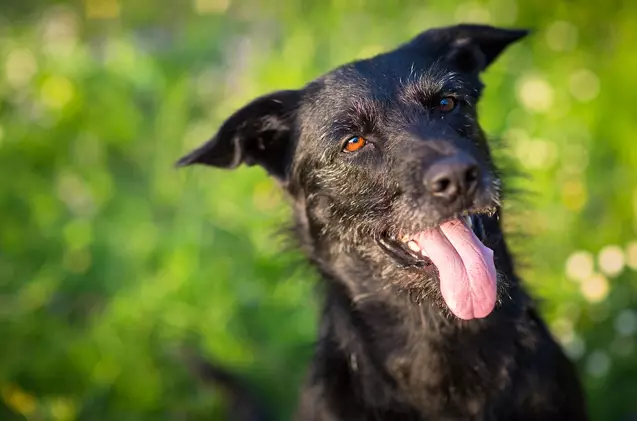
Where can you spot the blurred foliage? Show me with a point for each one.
(110, 259)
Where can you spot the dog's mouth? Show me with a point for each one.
(465, 266)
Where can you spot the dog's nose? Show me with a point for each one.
(453, 177)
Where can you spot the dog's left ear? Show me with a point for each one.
(470, 48)
(259, 133)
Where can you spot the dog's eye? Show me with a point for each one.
(354, 143)
(447, 104)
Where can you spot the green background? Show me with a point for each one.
(110, 259)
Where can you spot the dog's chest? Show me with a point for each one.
(450, 378)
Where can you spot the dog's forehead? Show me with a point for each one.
(382, 76)
(388, 81)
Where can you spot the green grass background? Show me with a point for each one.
(110, 259)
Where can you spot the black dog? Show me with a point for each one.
(397, 204)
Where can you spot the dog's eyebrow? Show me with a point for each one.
(436, 80)
(357, 118)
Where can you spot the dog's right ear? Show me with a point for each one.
(259, 133)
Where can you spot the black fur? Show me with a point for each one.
(389, 349)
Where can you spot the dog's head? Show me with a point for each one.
(387, 164)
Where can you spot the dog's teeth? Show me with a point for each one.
(404, 238)
(414, 246)
(469, 222)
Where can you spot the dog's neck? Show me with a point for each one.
(387, 340)
(398, 356)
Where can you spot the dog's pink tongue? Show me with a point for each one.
(465, 267)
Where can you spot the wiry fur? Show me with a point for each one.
(389, 349)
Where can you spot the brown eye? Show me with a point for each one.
(447, 104)
(354, 144)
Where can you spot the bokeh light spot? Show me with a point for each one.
(575, 348)
(563, 329)
(584, 85)
(536, 153)
(595, 288)
(102, 9)
(574, 159)
(580, 266)
(574, 195)
(75, 194)
(204, 7)
(598, 363)
(57, 92)
(562, 36)
(473, 13)
(20, 67)
(611, 260)
(626, 323)
(59, 32)
(63, 409)
(535, 93)
(18, 400)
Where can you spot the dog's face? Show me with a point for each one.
(388, 166)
